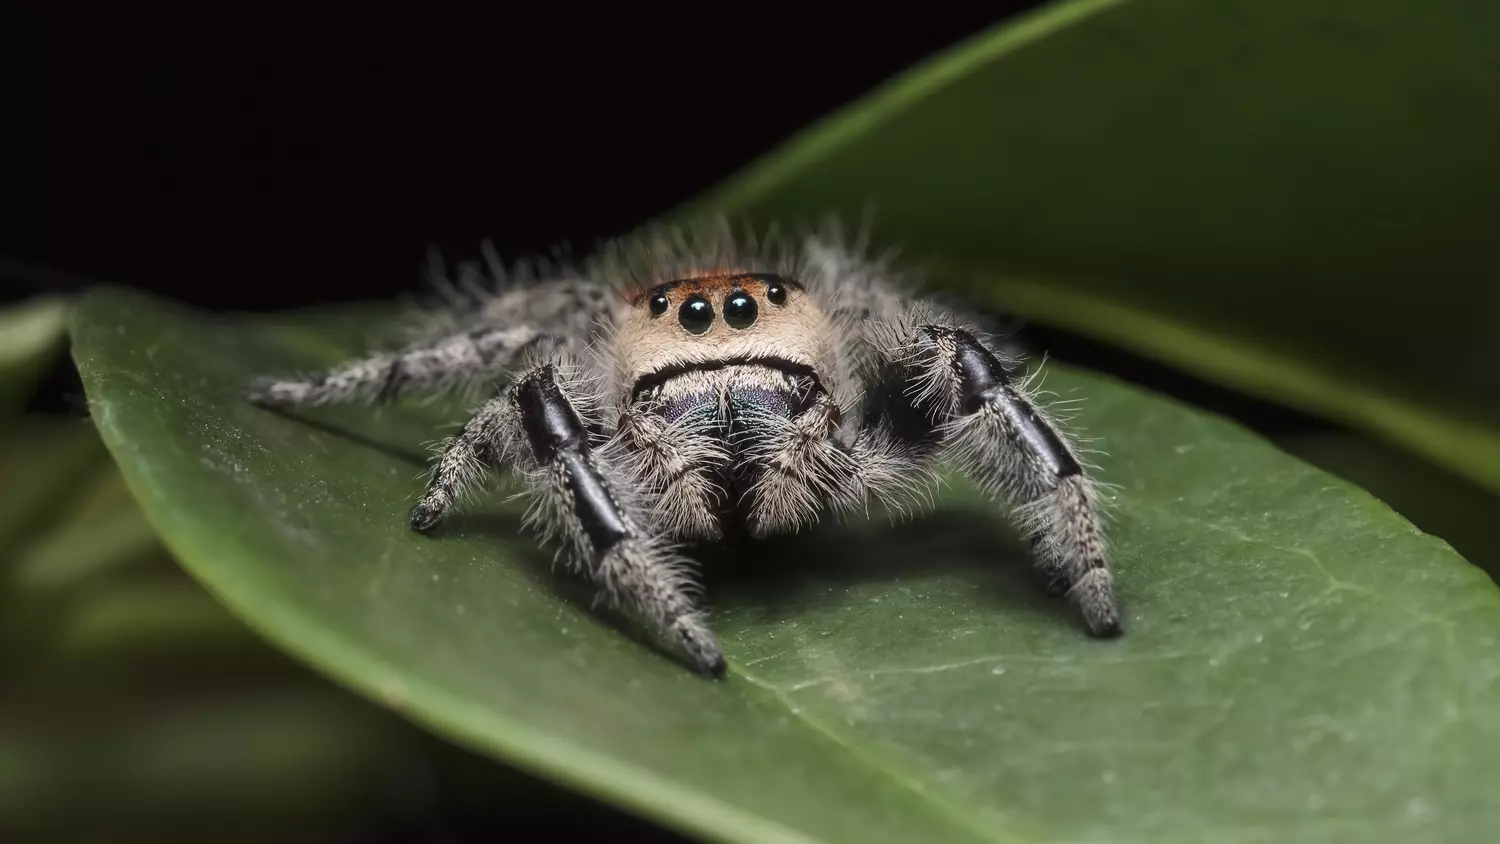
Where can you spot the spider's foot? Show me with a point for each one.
(275, 392)
(700, 645)
(425, 516)
(1095, 594)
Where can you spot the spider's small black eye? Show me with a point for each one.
(776, 293)
(696, 314)
(658, 303)
(740, 309)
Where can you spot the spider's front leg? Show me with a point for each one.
(581, 499)
(1006, 443)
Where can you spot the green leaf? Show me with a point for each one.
(278, 760)
(1436, 501)
(1294, 199)
(31, 333)
(1300, 661)
(100, 528)
(43, 462)
(41, 458)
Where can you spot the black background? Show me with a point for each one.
(261, 171)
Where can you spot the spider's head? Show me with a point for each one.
(722, 317)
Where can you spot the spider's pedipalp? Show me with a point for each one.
(670, 461)
(799, 467)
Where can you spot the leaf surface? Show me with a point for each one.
(1300, 660)
(1436, 501)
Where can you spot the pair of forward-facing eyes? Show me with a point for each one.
(696, 313)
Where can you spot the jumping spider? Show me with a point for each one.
(684, 387)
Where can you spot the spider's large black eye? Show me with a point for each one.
(776, 293)
(658, 303)
(696, 314)
(740, 309)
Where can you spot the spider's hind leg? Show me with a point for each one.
(465, 356)
(559, 312)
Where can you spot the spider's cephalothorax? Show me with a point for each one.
(682, 388)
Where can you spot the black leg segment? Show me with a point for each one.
(983, 381)
(557, 433)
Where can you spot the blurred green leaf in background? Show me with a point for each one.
(30, 335)
(1295, 199)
